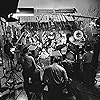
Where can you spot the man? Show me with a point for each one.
(87, 67)
(7, 48)
(89, 30)
(96, 49)
(55, 77)
(28, 65)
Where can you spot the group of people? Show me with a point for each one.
(54, 76)
(56, 56)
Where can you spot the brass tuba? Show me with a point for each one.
(78, 35)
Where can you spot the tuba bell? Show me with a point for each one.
(78, 35)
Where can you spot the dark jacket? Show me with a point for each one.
(55, 75)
